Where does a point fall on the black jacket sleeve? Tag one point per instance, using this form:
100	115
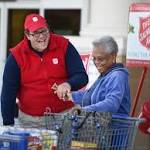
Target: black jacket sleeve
78	77
11	83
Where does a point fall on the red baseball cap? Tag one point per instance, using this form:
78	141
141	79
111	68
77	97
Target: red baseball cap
34	22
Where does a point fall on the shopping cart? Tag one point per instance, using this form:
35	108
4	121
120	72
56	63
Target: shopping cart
85	131
94	131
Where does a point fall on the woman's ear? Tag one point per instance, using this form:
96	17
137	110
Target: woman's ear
114	57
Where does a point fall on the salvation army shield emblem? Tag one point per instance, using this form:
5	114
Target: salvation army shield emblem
144	31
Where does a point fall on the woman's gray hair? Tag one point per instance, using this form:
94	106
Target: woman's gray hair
107	43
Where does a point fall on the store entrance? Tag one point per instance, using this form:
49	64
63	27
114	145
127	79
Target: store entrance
15	25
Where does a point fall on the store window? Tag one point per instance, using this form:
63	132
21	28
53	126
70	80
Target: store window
15	25
7	0
65	22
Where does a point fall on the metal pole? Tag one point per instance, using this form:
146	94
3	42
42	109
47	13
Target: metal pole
139	90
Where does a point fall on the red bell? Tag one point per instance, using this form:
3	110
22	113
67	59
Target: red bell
145	114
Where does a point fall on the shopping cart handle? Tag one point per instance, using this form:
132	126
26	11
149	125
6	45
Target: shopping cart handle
76	110
142	120
136	120
123	117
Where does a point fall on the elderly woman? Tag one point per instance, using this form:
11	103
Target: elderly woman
111	91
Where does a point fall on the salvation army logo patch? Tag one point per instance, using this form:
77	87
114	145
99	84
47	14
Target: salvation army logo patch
34	19
55	61
144	31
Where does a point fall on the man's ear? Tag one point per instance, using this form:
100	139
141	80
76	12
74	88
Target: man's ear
26	34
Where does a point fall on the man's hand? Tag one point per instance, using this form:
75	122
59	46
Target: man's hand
62	90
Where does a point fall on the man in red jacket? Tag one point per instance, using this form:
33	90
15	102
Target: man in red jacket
35	66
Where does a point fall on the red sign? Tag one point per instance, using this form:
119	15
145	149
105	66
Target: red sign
144	31
85	59
138	43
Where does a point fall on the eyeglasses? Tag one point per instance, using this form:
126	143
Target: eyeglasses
38	33
98	59
101	59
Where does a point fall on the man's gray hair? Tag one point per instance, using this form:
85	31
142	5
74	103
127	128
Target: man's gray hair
107	43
